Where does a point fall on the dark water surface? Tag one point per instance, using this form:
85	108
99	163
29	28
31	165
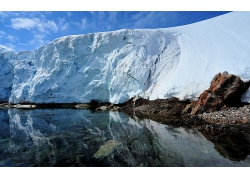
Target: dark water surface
72	137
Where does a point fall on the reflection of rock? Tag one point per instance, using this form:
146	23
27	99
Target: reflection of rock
106	149
235	147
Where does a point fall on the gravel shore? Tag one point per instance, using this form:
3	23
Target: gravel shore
228	115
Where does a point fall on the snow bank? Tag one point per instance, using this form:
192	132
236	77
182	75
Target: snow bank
116	66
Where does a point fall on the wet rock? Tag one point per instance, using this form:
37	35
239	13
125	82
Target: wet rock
106	149
23	106
82	106
111	106
103	108
116	108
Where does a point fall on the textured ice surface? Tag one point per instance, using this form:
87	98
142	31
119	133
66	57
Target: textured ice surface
116	66
6	75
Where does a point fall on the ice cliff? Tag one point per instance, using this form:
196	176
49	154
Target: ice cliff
116	66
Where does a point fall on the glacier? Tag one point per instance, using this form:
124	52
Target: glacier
118	65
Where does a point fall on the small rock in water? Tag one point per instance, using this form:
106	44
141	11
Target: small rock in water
22	106
103	108
106	149
116	108
82	106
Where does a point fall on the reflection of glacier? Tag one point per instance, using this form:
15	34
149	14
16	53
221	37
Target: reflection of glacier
183	145
139	146
36	136
70	137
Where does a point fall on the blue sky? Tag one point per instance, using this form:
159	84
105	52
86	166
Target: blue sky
28	30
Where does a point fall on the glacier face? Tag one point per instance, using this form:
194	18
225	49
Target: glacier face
119	65
6	75
107	67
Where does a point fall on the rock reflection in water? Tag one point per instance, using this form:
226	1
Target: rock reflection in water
235	147
71	137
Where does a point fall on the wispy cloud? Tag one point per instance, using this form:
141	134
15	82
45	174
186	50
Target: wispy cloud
63	25
34	23
12	38
38	40
82	24
69	14
5	48
3	14
2	33
10	46
152	19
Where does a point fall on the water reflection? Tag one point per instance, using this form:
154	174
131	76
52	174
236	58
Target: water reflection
72	137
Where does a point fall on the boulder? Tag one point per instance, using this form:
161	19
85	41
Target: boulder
225	89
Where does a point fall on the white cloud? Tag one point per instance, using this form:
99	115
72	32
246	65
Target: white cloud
34	23
12	38
154	19
38	40
5	48
9	46
24	23
2	33
39	36
69	14
3	14
83	23
63	25
44	26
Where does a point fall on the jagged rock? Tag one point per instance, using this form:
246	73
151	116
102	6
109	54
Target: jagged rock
225	89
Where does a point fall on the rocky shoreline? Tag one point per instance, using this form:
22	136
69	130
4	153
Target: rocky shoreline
227	120
218	109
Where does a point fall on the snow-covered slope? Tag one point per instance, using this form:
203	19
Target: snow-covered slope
116	66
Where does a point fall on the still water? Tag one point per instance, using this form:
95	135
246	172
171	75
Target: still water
72	137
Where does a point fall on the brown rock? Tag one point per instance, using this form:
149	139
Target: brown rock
225	89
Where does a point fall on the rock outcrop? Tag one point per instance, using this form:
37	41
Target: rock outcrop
225	89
